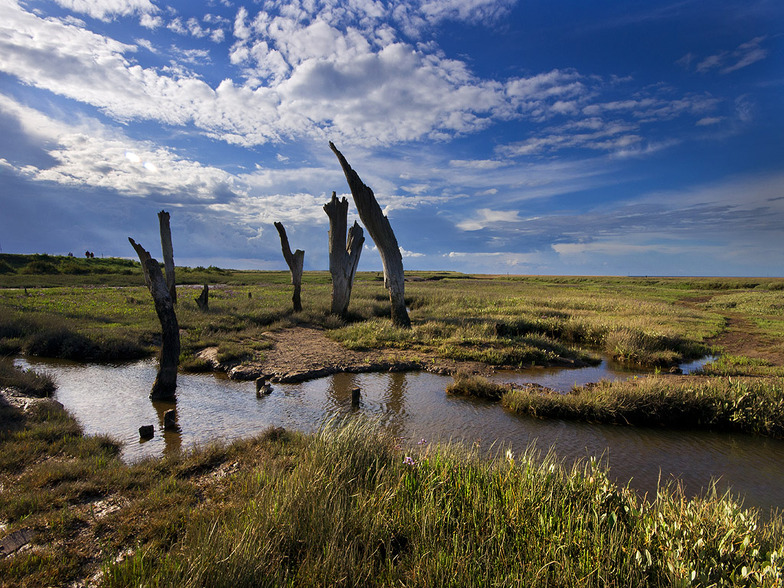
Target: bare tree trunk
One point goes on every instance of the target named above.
(343, 253)
(166, 381)
(295, 262)
(168, 253)
(381, 232)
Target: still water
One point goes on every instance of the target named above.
(113, 399)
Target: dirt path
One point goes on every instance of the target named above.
(741, 337)
(302, 353)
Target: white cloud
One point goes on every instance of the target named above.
(729, 61)
(85, 153)
(485, 217)
(106, 9)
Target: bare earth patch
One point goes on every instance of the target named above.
(303, 353)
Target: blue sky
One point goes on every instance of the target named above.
(622, 137)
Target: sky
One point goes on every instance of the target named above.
(621, 137)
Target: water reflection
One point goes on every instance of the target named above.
(114, 400)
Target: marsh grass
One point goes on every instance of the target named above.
(28, 382)
(351, 508)
(517, 321)
(747, 405)
(740, 365)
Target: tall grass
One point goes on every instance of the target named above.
(355, 510)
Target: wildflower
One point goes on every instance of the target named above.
(421, 442)
(409, 461)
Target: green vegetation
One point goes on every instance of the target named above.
(500, 320)
(745, 405)
(28, 382)
(348, 506)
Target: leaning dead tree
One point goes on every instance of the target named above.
(381, 232)
(343, 253)
(295, 262)
(166, 380)
(168, 253)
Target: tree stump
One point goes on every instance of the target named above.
(202, 300)
(166, 380)
(343, 253)
(382, 234)
(295, 261)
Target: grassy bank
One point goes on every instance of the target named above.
(349, 506)
(743, 405)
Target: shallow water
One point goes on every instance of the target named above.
(113, 399)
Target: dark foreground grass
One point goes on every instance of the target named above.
(348, 506)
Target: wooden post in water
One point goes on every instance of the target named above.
(295, 261)
(166, 380)
(343, 253)
(382, 234)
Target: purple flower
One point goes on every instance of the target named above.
(422, 442)
(408, 460)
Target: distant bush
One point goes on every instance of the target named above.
(73, 267)
(40, 267)
(5, 268)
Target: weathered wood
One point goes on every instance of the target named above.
(343, 253)
(202, 300)
(168, 253)
(295, 262)
(381, 232)
(166, 380)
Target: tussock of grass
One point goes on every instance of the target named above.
(28, 382)
(477, 387)
(744, 405)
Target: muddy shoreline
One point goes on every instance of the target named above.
(305, 352)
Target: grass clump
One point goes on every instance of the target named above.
(476, 387)
(750, 405)
(27, 382)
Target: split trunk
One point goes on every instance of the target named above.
(343, 253)
(381, 232)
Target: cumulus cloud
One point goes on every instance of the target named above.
(86, 153)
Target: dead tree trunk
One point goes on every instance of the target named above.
(343, 253)
(295, 262)
(381, 232)
(166, 381)
(168, 253)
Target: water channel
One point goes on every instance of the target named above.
(113, 399)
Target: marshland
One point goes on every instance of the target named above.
(352, 497)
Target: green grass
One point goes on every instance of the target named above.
(349, 506)
(747, 405)
(500, 320)
(28, 382)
